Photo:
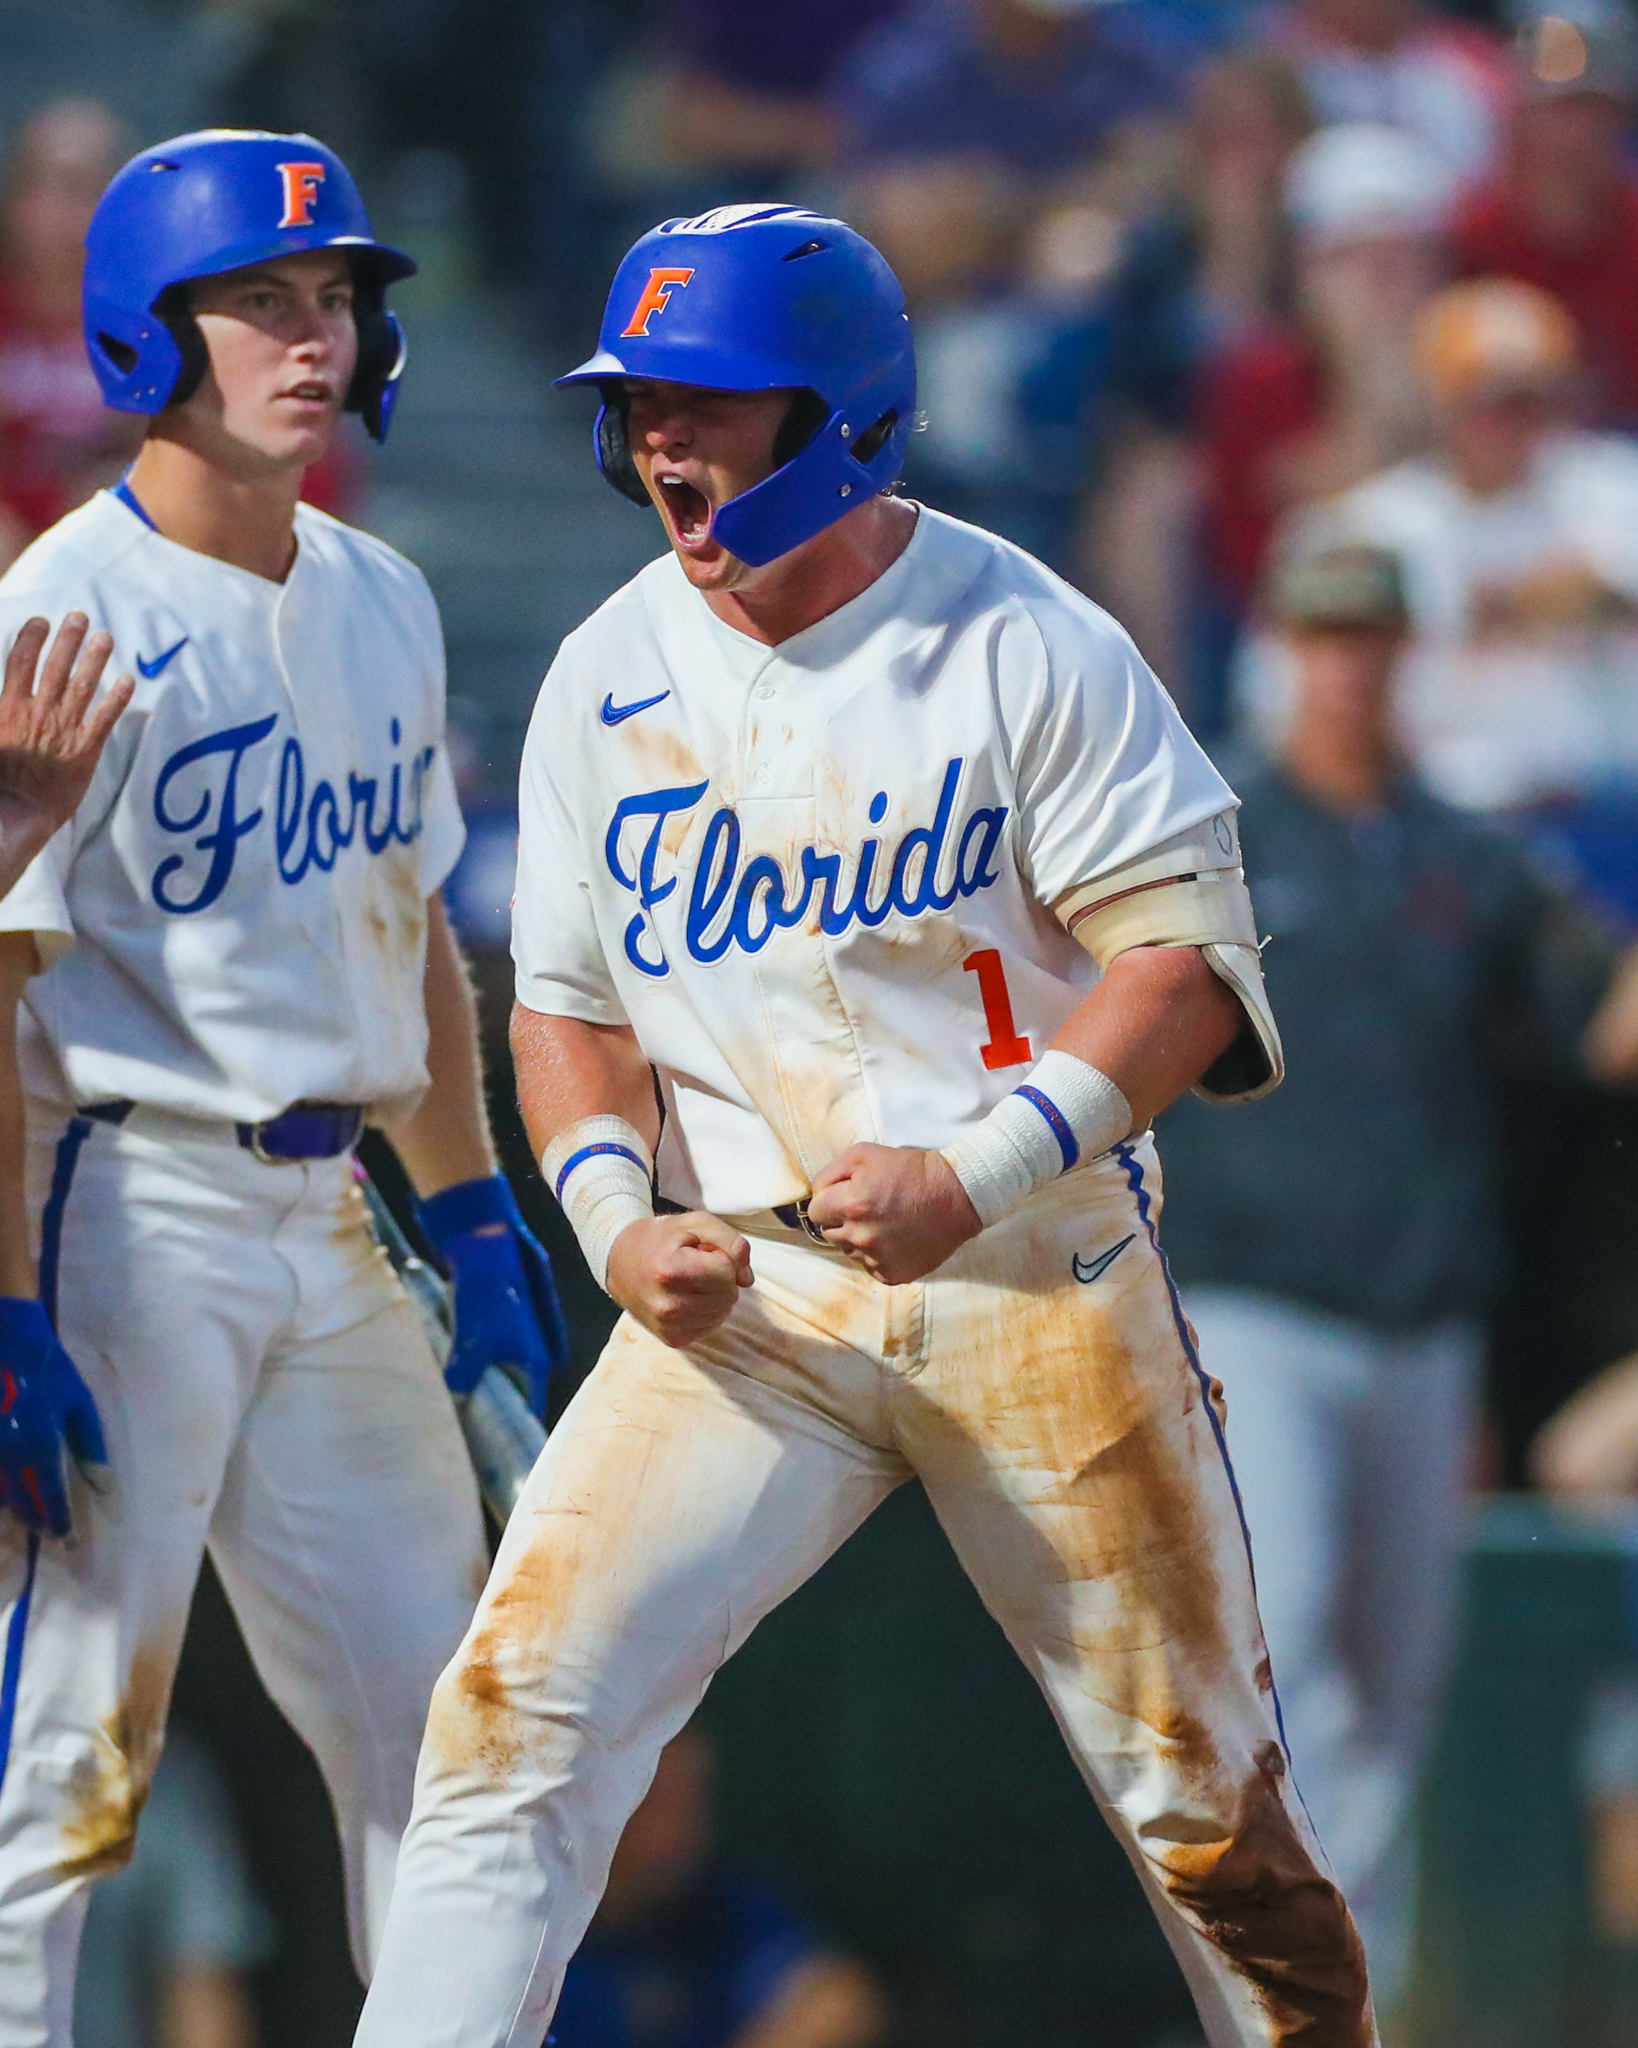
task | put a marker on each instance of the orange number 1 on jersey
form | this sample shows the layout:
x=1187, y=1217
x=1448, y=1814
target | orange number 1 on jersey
x=1006, y=1048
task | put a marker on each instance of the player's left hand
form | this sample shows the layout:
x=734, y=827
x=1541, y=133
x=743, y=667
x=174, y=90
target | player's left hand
x=897, y=1211
x=47, y=1416
x=506, y=1306
x=52, y=730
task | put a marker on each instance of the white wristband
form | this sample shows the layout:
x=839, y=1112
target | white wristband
x=1066, y=1112
x=601, y=1172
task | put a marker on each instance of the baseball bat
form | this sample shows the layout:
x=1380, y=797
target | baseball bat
x=503, y=1439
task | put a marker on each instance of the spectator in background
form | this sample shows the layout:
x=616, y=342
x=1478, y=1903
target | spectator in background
x=686, y=1954
x=1300, y=409
x=1520, y=542
x=1208, y=272
x=169, y=1938
x=746, y=86
x=993, y=150
x=1401, y=63
x=58, y=444
x=1417, y=960
x=1562, y=213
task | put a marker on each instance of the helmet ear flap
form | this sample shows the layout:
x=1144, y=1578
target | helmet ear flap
x=380, y=353
x=174, y=309
x=614, y=446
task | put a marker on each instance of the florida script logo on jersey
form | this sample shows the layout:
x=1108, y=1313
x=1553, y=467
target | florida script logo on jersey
x=730, y=906
x=199, y=786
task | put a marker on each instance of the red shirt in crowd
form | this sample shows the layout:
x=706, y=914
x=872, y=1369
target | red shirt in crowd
x=1494, y=236
x=59, y=442
x=57, y=439
x=1256, y=399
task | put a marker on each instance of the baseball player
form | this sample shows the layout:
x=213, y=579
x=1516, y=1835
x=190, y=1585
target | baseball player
x=231, y=959
x=872, y=898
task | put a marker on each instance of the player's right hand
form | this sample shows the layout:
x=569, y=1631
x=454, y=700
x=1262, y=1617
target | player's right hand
x=679, y=1275
x=46, y=1415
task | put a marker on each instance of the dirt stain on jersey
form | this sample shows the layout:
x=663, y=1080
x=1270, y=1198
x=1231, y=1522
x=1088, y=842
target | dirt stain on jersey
x=109, y=1788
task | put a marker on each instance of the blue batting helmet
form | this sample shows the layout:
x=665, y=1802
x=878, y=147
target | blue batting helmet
x=212, y=202
x=765, y=298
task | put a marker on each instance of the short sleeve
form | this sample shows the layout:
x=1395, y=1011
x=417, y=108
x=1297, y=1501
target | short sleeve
x=443, y=830
x=562, y=970
x=39, y=901
x=1106, y=769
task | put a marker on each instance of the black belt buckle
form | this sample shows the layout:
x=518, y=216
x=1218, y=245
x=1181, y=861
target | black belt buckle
x=306, y=1130
x=794, y=1216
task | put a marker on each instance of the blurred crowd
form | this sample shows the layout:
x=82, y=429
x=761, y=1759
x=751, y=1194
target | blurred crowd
x=1303, y=334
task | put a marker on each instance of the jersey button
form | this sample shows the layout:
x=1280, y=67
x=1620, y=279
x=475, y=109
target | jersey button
x=766, y=690
x=763, y=777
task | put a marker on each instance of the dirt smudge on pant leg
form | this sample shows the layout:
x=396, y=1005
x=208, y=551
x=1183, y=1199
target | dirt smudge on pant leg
x=1258, y=1896
x=107, y=1792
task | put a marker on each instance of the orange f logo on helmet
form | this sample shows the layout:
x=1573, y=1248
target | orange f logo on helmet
x=301, y=188
x=661, y=284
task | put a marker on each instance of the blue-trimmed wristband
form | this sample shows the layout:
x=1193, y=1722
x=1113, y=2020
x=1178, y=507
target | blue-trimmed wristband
x=603, y=1175
x=1066, y=1113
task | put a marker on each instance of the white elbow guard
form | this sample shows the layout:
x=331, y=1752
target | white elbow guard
x=1190, y=891
x=601, y=1172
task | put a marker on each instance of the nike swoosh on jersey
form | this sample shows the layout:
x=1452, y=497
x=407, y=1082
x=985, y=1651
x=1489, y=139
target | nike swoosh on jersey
x=152, y=668
x=613, y=713
x=1088, y=1270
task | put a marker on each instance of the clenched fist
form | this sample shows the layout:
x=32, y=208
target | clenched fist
x=895, y=1210
x=679, y=1275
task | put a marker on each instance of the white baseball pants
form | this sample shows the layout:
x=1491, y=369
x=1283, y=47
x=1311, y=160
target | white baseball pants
x=1352, y=1448
x=266, y=1390
x=1073, y=1451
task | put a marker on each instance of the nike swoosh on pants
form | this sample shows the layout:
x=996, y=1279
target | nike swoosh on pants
x=1088, y=1270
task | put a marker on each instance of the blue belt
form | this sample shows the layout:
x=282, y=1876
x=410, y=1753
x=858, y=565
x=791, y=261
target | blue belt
x=794, y=1216
x=306, y=1130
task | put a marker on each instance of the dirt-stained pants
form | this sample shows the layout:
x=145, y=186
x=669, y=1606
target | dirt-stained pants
x=1044, y=1387
x=267, y=1391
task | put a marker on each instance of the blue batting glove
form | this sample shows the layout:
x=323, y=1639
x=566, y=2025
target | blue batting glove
x=46, y=1414
x=506, y=1306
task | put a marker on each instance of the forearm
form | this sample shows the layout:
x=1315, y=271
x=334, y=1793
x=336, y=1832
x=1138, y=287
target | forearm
x=17, y=1271
x=1154, y=1024
x=447, y=1140
x=22, y=836
x=567, y=1070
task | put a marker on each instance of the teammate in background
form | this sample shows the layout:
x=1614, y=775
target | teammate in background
x=883, y=850
x=231, y=959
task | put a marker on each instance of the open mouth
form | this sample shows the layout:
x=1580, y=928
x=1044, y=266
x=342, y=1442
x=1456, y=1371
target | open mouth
x=688, y=509
x=311, y=391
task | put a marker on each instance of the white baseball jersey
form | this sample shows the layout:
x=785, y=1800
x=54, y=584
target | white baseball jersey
x=235, y=920
x=816, y=879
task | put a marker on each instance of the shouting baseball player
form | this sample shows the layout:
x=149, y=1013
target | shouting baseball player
x=231, y=959
x=881, y=851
